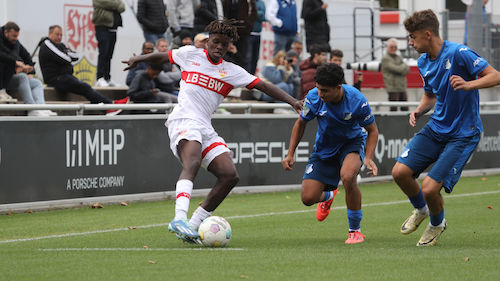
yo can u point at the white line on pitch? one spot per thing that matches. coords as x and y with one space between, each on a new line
137 249
230 217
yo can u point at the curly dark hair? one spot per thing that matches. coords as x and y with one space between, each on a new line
228 27
329 74
422 20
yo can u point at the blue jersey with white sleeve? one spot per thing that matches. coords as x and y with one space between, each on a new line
456 113
339 123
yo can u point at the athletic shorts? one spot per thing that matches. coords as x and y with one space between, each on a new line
449 156
187 129
327 171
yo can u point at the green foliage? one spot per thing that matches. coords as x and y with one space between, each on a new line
275 237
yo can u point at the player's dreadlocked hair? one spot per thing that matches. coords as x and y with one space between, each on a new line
228 27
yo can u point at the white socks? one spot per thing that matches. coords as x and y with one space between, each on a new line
198 216
424 210
183 190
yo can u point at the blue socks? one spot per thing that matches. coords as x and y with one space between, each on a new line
437 219
328 196
418 201
354 218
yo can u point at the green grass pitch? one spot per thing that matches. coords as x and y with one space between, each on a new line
275 237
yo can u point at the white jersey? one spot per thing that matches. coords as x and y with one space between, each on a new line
205 83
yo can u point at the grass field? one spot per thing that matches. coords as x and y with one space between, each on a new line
275 237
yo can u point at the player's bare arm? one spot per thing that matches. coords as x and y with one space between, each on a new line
426 103
489 77
275 92
297 133
371 144
158 58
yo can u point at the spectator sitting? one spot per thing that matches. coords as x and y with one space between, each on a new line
293 59
169 78
278 71
147 48
55 62
16 77
200 40
152 16
308 68
143 88
184 39
336 56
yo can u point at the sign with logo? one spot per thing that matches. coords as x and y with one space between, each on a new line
79 35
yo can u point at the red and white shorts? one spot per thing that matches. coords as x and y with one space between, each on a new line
187 129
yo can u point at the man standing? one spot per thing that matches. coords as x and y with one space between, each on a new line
394 70
316 22
339 150
107 19
151 14
452 75
282 14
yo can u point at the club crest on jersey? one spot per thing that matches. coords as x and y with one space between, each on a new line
222 73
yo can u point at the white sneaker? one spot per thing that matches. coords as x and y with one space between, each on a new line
431 234
101 82
6 98
38 113
112 83
412 222
50 112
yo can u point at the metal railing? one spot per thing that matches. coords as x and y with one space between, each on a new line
247 108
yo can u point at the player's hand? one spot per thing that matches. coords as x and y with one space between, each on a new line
414 117
297 105
287 163
131 62
372 168
458 83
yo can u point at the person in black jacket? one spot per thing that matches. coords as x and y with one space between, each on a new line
17 77
151 14
143 87
206 13
316 22
57 69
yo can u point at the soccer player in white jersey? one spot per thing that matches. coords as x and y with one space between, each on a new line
452 75
206 81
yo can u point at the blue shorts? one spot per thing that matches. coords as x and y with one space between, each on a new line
327 171
449 155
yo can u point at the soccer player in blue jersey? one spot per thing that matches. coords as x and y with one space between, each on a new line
452 75
339 149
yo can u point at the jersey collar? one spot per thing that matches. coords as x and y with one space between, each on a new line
208 57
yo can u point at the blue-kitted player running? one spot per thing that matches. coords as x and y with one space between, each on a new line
339 150
452 73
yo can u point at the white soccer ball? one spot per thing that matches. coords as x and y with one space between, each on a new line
215 231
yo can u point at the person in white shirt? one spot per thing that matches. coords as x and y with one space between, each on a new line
206 80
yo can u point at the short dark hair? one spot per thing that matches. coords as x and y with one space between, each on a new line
315 50
147 42
329 74
11 25
337 53
52 27
422 20
156 66
226 27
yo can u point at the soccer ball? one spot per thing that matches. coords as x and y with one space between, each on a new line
215 232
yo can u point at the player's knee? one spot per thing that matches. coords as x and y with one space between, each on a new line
309 199
230 178
348 178
397 173
192 164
